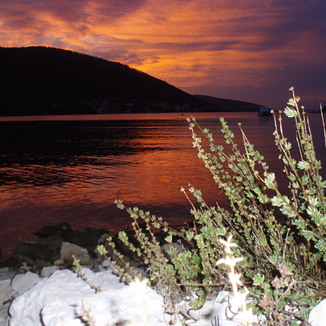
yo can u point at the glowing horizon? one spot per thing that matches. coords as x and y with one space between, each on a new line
245 50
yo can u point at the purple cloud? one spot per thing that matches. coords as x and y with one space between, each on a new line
206 46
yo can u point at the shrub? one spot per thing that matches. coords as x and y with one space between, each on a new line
279 234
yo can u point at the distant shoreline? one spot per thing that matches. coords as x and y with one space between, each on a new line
111 116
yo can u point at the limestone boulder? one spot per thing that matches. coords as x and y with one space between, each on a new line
23 282
65 299
317 316
5 291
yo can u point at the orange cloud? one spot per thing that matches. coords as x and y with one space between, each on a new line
192 44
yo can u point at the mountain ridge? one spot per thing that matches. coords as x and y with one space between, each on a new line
42 80
229 105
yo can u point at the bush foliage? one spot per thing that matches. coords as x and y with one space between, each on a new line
280 234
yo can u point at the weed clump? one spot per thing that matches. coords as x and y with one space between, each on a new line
279 235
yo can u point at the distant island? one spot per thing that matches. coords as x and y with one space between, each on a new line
42 81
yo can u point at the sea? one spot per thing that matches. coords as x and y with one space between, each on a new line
73 168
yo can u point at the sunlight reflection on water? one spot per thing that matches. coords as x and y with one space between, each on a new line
72 168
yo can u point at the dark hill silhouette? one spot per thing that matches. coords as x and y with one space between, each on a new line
229 105
42 80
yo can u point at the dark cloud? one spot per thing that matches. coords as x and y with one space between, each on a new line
113 10
71 11
28 11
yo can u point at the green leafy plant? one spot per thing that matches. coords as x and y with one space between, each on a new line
280 234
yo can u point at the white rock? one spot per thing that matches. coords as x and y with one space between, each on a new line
48 271
6 273
25 310
4 309
3 322
23 282
106 264
61 298
226 310
197 317
223 311
317 316
64 299
5 291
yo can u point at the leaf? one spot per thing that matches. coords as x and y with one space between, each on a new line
309 235
305 180
292 177
101 250
270 179
303 165
287 145
292 102
277 201
290 113
168 238
258 279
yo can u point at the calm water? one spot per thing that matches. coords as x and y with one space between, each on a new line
72 168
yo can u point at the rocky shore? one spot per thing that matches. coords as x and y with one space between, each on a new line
41 270
44 247
48 250
38 287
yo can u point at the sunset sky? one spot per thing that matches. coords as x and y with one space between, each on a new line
251 50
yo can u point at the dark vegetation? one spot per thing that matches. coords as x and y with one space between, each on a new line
42 80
